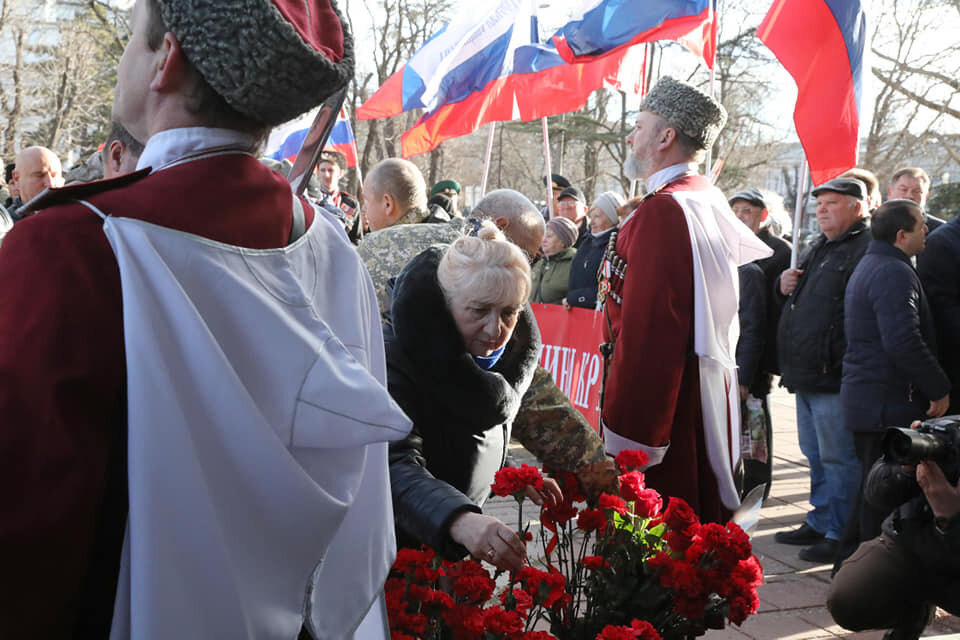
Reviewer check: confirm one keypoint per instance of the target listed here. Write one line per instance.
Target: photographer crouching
(897, 580)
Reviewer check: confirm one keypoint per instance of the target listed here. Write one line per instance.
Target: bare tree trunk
(15, 110)
(435, 167)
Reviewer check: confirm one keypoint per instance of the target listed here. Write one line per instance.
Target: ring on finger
(492, 553)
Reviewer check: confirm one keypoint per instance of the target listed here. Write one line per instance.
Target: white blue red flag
(285, 141)
(599, 27)
(821, 43)
(482, 70)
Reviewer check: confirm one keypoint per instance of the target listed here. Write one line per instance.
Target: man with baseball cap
(671, 308)
(811, 344)
(195, 423)
(557, 184)
(572, 205)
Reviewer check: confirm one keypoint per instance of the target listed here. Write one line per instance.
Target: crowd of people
(229, 401)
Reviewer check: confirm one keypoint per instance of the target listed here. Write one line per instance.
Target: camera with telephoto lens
(936, 440)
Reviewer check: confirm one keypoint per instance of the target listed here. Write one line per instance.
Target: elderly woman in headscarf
(462, 347)
(552, 271)
(603, 219)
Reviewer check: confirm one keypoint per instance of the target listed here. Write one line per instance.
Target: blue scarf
(486, 362)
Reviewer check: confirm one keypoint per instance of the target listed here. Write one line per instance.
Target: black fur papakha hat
(271, 60)
(692, 112)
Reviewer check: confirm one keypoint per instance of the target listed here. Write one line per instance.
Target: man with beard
(671, 309)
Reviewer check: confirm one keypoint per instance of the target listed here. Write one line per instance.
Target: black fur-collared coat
(461, 413)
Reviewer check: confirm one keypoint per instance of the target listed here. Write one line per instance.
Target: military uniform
(547, 424)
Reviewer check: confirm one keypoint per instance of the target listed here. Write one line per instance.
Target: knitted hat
(271, 60)
(692, 112)
(564, 229)
(609, 202)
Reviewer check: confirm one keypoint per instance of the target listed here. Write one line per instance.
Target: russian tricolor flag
(486, 68)
(601, 26)
(285, 141)
(821, 43)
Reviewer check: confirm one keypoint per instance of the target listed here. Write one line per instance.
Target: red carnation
(644, 630)
(474, 588)
(465, 622)
(631, 459)
(593, 562)
(500, 622)
(516, 599)
(408, 560)
(514, 480)
(592, 520)
(616, 503)
(437, 599)
(560, 514)
(611, 632)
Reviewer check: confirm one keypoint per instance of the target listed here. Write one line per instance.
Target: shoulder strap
(93, 208)
(299, 226)
(76, 192)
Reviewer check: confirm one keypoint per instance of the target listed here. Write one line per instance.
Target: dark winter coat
(461, 413)
(772, 268)
(582, 286)
(810, 338)
(753, 330)
(939, 267)
(890, 369)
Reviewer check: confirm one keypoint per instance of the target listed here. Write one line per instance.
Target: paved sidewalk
(794, 591)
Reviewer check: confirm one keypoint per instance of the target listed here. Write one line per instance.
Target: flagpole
(713, 76)
(713, 94)
(798, 211)
(359, 188)
(486, 161)
(546, 161)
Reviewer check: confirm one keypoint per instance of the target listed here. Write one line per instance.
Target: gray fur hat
(692, 112)
(271, 60)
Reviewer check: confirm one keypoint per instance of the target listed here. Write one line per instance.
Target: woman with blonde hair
(462, 346)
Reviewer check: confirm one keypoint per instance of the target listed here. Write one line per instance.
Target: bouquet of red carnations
(623, 568)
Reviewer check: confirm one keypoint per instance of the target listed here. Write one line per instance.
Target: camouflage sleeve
(550, 428)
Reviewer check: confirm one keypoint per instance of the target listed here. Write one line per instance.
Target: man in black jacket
(810, 343)
(890, 372)
(939, 265)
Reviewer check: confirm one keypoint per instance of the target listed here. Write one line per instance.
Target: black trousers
(881, 587)
(865, 519)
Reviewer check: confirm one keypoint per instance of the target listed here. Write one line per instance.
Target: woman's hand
(486, 538)
(551, 493)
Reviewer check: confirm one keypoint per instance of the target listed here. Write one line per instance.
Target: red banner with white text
(571, 341)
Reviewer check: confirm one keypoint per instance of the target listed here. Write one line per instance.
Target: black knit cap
(271, 60)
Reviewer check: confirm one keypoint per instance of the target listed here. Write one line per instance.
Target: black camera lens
(908, 446)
